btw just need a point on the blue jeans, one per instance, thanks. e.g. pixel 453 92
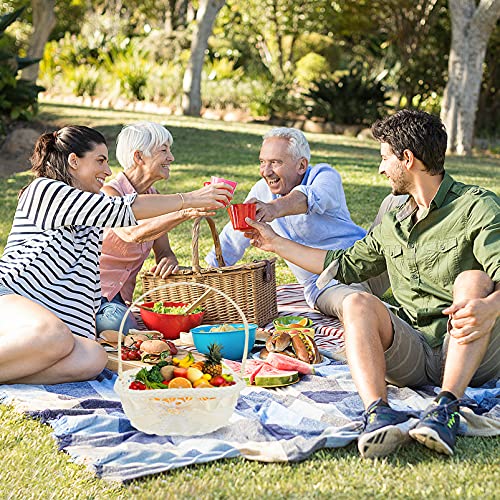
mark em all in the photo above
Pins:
pixel 6 291
pixel 111 313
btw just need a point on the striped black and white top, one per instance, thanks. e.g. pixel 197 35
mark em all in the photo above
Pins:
pixel 52 252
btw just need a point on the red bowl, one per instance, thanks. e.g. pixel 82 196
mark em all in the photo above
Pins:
pixel 171 325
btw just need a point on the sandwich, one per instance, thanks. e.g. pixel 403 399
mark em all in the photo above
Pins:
pixel 293 343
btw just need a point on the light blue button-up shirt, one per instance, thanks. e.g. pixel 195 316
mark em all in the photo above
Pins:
pixel 326 225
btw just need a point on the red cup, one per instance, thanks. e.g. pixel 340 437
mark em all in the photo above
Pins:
pixel 237 213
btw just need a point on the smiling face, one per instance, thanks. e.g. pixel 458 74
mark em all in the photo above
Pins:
pixel 158 164
pixel 90 171
pixel 279 168
pixel 393 168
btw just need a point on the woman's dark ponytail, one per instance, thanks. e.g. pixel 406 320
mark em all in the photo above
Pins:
pixel 50 157
pixel 51 152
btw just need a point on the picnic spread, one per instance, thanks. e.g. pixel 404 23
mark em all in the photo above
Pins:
pixel 283 424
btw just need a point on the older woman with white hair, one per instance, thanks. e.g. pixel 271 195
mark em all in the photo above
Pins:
pixel 144 151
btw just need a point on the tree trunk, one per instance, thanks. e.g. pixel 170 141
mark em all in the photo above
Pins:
pixel 471 28
pixel 191 84
pixel 44 21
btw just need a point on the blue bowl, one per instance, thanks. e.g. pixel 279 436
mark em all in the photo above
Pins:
pixel 232 342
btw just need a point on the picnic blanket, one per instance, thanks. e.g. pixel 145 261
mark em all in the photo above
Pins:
pixel 269 425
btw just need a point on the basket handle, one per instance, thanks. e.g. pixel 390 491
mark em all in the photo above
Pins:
pixel 188 283
pixel 195 254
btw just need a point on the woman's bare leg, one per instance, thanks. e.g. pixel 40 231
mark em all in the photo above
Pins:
pixel 36 347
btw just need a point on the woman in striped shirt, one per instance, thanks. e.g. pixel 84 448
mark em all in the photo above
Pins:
pixel 49 272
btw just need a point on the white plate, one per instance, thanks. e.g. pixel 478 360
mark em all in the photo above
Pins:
pixel 325 361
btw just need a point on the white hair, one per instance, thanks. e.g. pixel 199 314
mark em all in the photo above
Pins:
pixel 140 136
pixel 298 146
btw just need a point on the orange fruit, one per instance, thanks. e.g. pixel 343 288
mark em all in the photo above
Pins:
pixel 180 383
pixel 202 383
pixel 303 322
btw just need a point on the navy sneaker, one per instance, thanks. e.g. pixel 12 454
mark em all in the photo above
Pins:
pixel 438 426
pixel 385 430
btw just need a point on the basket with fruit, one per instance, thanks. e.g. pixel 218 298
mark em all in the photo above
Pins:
pixel 179 395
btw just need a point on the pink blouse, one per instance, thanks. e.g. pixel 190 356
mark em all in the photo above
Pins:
pixel 120 260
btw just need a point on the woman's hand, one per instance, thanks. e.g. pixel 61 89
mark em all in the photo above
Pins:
pixel 165 267
pixel 210 196
pixel 193 213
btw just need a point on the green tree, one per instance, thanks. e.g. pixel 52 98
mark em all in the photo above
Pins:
pixel 18 97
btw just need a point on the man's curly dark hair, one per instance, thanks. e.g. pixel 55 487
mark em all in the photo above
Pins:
pixel 420 132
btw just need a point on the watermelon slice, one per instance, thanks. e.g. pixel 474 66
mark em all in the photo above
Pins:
pixel 268 376
pixel 284 362
pixel 262 374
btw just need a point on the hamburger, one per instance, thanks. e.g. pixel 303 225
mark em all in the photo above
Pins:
pixel 153 351
pixel 293 343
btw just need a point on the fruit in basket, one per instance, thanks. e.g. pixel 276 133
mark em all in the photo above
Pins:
pixel 193 374
pixel 184 362
pixel 167 372
pixel 212 364
pixel 202 383
pixel 180 371
pixel 180 383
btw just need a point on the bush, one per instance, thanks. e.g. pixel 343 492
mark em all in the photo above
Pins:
pixel 354 98
pixel 277 101
pixel 18 97
pixel 310 68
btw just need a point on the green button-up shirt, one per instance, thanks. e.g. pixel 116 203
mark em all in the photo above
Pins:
pixel 460 231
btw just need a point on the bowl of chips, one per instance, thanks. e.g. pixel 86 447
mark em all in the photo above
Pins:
pixel 230 336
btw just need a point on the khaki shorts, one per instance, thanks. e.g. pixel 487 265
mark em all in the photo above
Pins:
pixel 410 361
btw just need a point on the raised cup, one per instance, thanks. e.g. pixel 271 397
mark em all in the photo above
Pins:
pixel 238 212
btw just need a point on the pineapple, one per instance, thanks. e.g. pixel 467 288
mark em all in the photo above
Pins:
pixel 212 364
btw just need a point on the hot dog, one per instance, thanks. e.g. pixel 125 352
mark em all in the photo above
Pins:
pixel 293 343
pixel 305 348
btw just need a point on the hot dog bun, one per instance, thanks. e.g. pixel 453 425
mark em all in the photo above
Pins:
pixel 305 348
pixel 278 342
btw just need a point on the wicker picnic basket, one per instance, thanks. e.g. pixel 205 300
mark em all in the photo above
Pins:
pixel 252 286
pixel 182 412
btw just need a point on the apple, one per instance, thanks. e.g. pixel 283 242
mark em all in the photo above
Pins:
pixel 179 371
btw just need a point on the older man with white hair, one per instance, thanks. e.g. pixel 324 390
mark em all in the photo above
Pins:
pixel 304 203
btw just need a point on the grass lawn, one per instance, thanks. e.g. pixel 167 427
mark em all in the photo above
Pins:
pixel 32 466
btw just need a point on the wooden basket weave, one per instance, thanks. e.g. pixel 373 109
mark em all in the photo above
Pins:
pixel 252 286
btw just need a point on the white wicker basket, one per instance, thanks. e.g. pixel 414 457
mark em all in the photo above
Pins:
pixel 184 412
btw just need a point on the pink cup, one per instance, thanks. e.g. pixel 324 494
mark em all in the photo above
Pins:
pixel 216 180
pixel 237 213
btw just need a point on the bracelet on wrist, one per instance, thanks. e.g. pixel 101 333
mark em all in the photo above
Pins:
pixel 182 200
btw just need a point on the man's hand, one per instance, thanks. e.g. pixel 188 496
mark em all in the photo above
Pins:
pixel 471 319
pixel 265 212
pixel 166 266
pixel 261 236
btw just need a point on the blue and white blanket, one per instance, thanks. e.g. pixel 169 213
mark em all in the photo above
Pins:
pixel 269 425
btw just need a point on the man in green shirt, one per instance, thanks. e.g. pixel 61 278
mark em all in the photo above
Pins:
pixel 441 250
